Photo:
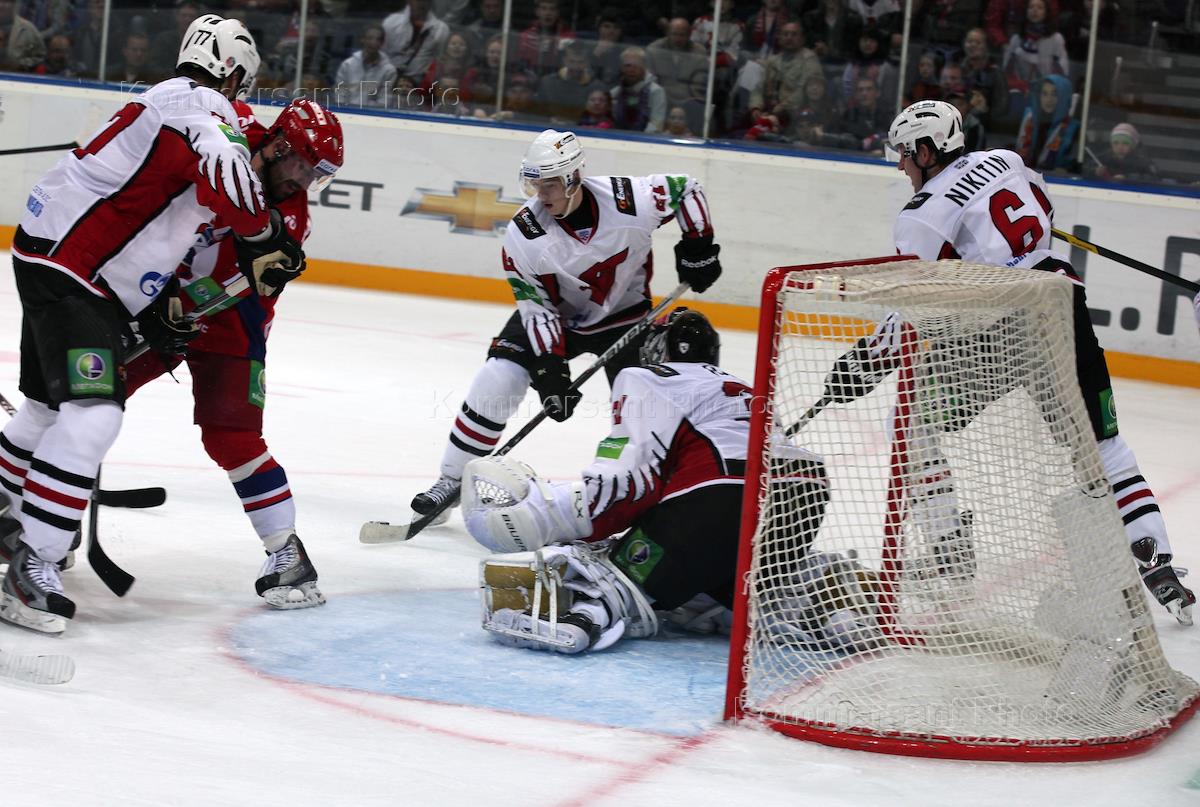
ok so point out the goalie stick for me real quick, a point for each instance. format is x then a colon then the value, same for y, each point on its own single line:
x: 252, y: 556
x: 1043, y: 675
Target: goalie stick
x: 382, y: 532
x: 130, y: 497
x: 46, y: 670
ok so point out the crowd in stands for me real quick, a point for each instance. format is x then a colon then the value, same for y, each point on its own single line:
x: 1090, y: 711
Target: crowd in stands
x: 811, y: 74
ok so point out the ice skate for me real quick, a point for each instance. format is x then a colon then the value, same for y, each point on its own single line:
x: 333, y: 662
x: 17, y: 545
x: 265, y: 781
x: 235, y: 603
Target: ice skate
x: 288, y: 579
x: 446, y: 487
x: 1162, y: 580
x: 10, y: 535
x: 32, y: 596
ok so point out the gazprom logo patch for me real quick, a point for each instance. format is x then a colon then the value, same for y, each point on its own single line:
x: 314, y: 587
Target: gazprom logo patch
x: 152, y: 283
x: 90, y: 366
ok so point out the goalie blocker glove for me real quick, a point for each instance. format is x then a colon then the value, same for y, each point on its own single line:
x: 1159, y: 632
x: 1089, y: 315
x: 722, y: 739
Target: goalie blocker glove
x: 551, y: 377
x: 697, y: 263
x: 271, y: 259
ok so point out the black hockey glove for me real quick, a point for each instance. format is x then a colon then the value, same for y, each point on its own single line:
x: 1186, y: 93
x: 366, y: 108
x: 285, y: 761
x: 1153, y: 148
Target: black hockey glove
x: 551, y: 377
x: 696, y: 262
x: 163, y: 325
x: 272, y: 259
x: 855, y: 374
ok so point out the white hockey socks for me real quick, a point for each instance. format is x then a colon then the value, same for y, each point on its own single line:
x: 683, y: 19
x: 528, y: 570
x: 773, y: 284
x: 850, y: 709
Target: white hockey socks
x: 18, y: 441
x: 495, y: 394
x: 1139, y: 509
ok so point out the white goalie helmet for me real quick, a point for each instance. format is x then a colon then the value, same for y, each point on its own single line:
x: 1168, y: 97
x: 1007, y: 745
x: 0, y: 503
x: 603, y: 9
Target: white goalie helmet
x: 553, y: 154
x: 936, y: 120
x: 219, y: 47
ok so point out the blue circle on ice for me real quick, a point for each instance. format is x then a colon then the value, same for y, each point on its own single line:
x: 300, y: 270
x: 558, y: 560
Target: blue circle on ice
x: 428, y: 645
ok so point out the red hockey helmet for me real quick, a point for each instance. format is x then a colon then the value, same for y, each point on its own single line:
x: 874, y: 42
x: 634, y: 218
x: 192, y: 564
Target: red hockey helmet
x: 314, y: 149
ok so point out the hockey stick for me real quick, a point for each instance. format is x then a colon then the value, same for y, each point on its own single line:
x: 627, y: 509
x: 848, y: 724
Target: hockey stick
x: 36, y: 149
x: 812, y: 412
x: 46, y: 670
x: 381, y: 532
x: 131, y: 497
x: 117, y: 579
x: 1132, y: 263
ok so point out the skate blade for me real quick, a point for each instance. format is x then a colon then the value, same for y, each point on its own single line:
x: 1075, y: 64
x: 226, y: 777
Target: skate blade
x: 14, y: 612
x: 290, y: 598
x: 1184, y: 615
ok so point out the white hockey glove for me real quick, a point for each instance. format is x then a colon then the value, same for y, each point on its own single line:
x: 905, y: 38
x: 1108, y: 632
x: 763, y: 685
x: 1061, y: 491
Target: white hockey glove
x: 507, y: 508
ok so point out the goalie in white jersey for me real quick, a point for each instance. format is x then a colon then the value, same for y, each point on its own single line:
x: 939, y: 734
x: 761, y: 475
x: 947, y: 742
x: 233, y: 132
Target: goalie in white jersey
x: 987, y: 207
x: 578, y: 258
x: 669, y: 476
x: 102, y: 235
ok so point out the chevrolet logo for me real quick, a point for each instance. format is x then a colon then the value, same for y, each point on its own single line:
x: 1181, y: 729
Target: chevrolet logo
x: 470, y: 208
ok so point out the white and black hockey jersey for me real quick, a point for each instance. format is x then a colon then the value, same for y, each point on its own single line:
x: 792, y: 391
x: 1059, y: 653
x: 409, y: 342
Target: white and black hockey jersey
x: 593, y: 281
x: 122, y: 211
x: 676, y: 427
x: 985, y: 208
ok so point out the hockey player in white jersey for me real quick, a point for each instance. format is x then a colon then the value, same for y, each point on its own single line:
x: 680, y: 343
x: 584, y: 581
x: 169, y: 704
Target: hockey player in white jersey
x: 987, y: 207
x: 578, y: 258
x: 668, y: 480
x: 103, y: 232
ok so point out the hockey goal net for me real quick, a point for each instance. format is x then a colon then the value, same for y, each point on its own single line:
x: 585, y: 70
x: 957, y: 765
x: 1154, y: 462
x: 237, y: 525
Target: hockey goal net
x: 932, y: 562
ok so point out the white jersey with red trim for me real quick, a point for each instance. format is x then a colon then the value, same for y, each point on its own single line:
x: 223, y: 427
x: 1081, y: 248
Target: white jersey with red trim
x: 677, y: 427
x: 121, y: 212
x: 986, y: 207
x: 589, y: 281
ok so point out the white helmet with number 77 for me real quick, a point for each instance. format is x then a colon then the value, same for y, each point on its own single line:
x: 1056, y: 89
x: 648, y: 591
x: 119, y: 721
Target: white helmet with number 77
x: 219, y: 47
x: 936, y: 121
x: 553, y: 154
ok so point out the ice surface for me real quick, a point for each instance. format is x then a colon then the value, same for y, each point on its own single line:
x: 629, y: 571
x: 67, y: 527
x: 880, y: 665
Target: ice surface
x: 188, y: 692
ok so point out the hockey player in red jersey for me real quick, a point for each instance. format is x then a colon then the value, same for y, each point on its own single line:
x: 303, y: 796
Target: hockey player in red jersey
x: 103, y: 231
x: 578, y: 258
x: 987, y: 207
x: 668, y: 480
x: 227, y: 360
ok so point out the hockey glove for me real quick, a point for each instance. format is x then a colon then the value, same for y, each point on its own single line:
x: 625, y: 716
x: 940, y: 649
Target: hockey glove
x: 271, y: 259
x: 551, y: 377
x: 696, y: 262
x: 163, y: 325
x: 855, y: 374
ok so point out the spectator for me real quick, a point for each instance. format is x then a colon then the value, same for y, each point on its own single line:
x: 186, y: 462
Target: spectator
x: 729, y: 38
x: 973, y: 129
x: 1116, y: 24
x: 134, y: 67
x: 952, y: 81
x: 598, y: 112
x: 605, y: 54
x: 1002, y: 19
x: 50, y: 17
x: 762, y: 31
x: 1036, y: 51
x: 639, y: 103
x: 25, y: 49
x: 864, y: 125
x: 367, y: 77
x: 87, y: 35
x: 987, y: 89
x: 164, y: 48
x: 412, y: 37
x: 562, y: 94
x: 480, y: 83
x: 452, y: 12
x: 58, y: 58
x: 446, y: 98
x: 816, y: 111
x: 871, y: 62
x: 771, y: 127
x: 317, y: 59
x: 407, y: 95
x: 454, y: 60
x: 537, y: 47
x: 1123, y: 160
x: 927, y: 86
x: 519, y: 100
x: 489, y: 23
x: 674, y: 58
x: 1046, y: 139
x: 787, y: 72
x: 832, y: 30
x: 677, y: 124
x: 943, y: 24
x: 885, y: 15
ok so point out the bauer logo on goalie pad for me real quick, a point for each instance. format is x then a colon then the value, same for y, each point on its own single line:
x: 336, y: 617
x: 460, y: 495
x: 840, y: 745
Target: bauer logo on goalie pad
x: 528, y: 224
x: 623, y: 195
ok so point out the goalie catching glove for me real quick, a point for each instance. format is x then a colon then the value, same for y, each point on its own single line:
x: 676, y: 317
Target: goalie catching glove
x: 551, y: 378
x: 697, y: 263
x: 860, y: 369
x: 270, y: 259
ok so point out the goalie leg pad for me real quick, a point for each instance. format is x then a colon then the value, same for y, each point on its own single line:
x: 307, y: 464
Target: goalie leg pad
x: 507, y: 508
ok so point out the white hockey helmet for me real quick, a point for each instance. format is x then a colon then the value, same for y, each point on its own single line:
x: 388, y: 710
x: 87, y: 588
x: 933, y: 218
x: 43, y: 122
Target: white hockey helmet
x: 936, y: 120
x: 553, y: 154
x: 219, y: 47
